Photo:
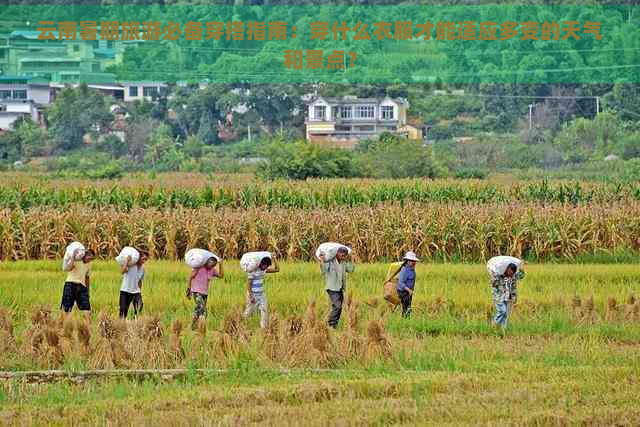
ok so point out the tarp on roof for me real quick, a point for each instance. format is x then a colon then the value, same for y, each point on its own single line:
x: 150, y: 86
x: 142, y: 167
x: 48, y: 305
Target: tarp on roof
x: 27, y: 34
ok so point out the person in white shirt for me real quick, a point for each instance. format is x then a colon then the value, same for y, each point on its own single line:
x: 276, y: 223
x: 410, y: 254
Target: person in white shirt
x: 131, y: 289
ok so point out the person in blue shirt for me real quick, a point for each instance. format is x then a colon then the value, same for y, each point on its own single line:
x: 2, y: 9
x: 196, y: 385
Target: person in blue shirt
x: 407, y: 282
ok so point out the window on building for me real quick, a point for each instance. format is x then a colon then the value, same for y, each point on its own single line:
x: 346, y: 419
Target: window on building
x: 386, y: 112
x: 20, y: 94
x: 320, y: 112
x: 133, y: 90
x: 2, y: 53
x: 95, y: 68
x: 150, y: 91
x: 76, y: 48
x: 346, y: 112
x: 5, y: 94
x: 109, y: 44
x: 364, y: 112
x: 365, y: 128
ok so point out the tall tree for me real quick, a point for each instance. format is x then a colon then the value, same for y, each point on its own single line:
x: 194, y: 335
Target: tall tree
x: 77, y: 112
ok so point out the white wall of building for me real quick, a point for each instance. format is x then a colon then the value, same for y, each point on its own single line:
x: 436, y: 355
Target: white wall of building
x: 320, y: 102
x: 40, y: 94
x: 389, y: 103
x: 7, y: 119
x: 129, y: 97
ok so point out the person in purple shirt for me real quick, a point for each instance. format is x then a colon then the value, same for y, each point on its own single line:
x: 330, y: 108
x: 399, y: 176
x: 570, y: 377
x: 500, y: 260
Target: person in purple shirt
x: 407, y: 282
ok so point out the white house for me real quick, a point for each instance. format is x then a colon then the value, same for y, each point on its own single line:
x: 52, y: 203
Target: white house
x: 137, y: 91
x: 12, y: 110
x: 349, y: 119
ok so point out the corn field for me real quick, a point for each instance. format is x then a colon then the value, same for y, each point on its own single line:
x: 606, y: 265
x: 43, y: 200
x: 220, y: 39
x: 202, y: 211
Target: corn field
x: 313, y: 194
x: 436, y: 231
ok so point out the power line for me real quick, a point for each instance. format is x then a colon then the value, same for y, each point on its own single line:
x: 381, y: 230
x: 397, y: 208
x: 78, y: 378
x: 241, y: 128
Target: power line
x: 448, y: 53
x: 473, y: 74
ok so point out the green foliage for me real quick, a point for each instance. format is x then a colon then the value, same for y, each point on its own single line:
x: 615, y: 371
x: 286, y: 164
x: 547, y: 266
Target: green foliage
x: 111, y: 144
x: 31, y: 138
x: 311, y: 194
x: 394, y: 157
x: 629, y: 146
x: 110, y: 170
x: 582, y: 138
x: 95, y: 166
x: 26, y: 140
x: 162, y: 153
x: 302, y: 160
x: 193, y: 147
x: 198, y: 111
x: 471, y: 173
x: 75, y: 113
x: 10, y: 149
x: 632, y: 170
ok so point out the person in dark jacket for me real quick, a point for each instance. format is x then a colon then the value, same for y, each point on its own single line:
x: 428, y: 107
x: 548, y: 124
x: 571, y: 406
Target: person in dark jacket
x: 407, y: 282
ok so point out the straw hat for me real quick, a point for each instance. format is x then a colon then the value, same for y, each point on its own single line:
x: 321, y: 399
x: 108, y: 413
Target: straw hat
x: 411, y: 256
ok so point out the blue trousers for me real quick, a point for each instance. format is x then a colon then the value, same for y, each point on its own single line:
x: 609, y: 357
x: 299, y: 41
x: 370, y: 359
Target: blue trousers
x: 502, y: 313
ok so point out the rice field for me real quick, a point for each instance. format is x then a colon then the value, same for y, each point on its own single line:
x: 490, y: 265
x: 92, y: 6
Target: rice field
x: 569, y: 356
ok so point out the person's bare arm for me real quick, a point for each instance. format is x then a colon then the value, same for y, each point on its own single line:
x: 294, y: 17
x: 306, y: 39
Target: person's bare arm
x: 274, y: 267
x: 125, y: 268
x: 87, y: 280
x: 194, y: 272
x: 220, y: 270
x: 140, y: 284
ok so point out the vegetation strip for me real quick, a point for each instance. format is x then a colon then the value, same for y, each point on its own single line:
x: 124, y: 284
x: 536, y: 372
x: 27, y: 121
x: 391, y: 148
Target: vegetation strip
x: 59, y: 374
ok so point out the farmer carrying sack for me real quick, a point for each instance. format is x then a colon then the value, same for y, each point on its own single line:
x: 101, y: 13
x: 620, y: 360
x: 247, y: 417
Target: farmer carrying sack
x: 196, y: 258
x: 390, y: 292
x: 251, y: 260
x: 76, y: 248
x: 329, y: 250
x: 128, y: 252
x: 496, y: 266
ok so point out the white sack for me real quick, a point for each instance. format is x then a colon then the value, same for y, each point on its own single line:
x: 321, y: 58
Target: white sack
x: 196, y: 258
x: 68, y: 260
x: 251, y: 260
x: 329, y: 250
x: 128, y: 251
x: 496, y: 266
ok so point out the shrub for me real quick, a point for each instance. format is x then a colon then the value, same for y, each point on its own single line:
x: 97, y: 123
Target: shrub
x: 471, y: 173
x: 302, y: 160
x: 394, y: 157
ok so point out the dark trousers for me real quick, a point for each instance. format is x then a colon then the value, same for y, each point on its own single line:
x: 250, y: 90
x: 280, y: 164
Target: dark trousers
x: 75, y: 293
x: 126, y: 299
x: 405, y: 299
x: 336, y: 298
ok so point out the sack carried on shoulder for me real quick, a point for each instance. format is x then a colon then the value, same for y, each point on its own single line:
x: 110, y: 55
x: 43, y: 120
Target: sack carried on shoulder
x: 391, y: 293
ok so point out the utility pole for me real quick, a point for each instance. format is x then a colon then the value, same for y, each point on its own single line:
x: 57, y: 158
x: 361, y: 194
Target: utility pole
x: 597, y: 105
x: 249, y: 132
x: 530, y: 116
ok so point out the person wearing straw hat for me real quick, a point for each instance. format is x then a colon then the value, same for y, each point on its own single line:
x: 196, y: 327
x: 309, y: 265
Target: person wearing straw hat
x: 407, y: 281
